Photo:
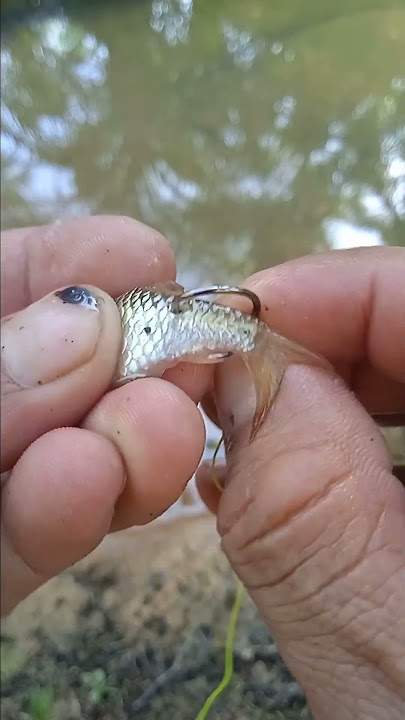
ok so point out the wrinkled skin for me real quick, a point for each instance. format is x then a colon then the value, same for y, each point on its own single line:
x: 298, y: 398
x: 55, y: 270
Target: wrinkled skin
x: 313, y: 514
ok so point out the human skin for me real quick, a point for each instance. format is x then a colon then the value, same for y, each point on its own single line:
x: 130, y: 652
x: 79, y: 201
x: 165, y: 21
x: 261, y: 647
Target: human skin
x: 312, y: 517
x: 78, y: 460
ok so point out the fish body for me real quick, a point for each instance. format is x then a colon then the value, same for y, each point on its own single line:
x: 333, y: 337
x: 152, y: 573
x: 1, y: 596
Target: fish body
x: 162, y: 327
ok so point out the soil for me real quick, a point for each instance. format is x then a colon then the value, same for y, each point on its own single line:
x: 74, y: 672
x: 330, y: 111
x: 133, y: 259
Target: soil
x: 137, y: 630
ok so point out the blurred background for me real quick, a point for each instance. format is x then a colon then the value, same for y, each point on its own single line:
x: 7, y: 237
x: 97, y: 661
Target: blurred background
x: 247, y: 132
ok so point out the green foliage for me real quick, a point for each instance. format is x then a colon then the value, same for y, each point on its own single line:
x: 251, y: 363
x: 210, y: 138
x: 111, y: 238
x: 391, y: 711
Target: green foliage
x: 98, y: 685
x: 12, y: 657
x: 41, y: 704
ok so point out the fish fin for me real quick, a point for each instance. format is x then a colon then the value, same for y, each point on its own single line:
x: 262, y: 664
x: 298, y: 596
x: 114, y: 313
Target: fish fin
x: 120, y: 381
x: 267, y: 363
x: 201, y: 358
x: 169, y: 288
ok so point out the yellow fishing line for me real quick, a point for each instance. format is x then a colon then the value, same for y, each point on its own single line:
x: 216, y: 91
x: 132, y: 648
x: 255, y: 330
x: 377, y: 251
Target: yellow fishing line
x: 230, y: 635
x: 229, y: 647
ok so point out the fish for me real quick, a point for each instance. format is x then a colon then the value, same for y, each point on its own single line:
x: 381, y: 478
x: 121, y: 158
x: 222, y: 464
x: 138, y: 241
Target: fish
x: 163, y: 325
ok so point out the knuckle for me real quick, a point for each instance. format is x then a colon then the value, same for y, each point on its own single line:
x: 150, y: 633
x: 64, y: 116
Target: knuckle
x: 307, y: 534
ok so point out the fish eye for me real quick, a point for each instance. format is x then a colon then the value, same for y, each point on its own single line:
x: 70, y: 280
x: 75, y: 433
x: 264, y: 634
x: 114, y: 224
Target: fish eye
x: 148, y: 330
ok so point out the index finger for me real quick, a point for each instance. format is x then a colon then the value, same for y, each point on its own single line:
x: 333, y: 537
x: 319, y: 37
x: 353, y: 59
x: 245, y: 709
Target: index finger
x: 111, y: 252
x: 348, y: 305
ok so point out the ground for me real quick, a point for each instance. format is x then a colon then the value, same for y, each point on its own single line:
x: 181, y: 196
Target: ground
x: 137, y: 630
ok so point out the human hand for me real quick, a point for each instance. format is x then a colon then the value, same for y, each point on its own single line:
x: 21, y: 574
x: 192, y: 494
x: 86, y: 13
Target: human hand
x: 78, y: 461
x: 312, y: 516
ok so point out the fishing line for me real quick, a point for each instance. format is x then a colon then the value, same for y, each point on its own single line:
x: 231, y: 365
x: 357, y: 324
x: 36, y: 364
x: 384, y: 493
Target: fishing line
x: 213, y: 468
x: 230, y: 635
x: 229, y: 648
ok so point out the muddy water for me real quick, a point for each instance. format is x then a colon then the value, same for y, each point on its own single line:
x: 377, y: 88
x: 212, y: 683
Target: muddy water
x: 247, y: 132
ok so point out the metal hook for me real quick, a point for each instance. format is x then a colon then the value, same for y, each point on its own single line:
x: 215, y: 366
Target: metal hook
x: 225, y: 290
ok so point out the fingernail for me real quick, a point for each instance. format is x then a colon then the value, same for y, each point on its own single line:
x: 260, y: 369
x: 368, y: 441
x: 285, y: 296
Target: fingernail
x: 234, y: 397
x: 75, y: 295
x: 51, y: 337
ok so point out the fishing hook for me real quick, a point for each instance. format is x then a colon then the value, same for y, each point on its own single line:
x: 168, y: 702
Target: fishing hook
x: 225, y: 290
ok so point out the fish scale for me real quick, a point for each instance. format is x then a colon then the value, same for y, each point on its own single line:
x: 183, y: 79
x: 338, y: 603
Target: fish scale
x: 159, y: 329
x: 162, y: 326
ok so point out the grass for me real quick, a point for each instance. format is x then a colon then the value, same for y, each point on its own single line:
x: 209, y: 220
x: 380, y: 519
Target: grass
x: 12, y: 658
x: 99, y: 688
x: 41, y: 704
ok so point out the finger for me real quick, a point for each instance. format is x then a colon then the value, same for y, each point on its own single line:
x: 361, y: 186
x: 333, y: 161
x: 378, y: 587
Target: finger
x: 207, y: 480
x: 348, y: 306
x: 58, y: 357
x: 399, y: 472
x: 380, y: 403
x: 313, y: 521
x: 383, y: 398
x: 194, y: 380
x: 57, y: 506
x: 390, y: 419
x: 160, y: 435
x: 379, y: 394
x: 207, y: 477
x: 209, y: 407
x: 113, y: 253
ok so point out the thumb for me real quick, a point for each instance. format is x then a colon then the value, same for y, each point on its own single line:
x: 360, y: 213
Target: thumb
x: 57, y: 358
x: 313, y: 521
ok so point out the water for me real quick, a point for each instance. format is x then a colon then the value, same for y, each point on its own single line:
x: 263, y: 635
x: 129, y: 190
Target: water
x: 247, y: 132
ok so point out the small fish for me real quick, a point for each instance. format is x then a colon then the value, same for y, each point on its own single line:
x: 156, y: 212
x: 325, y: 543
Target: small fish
x: 163, y: 326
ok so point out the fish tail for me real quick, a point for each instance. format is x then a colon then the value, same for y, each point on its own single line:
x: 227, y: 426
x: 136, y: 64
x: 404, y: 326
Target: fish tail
x: 267, y: 363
